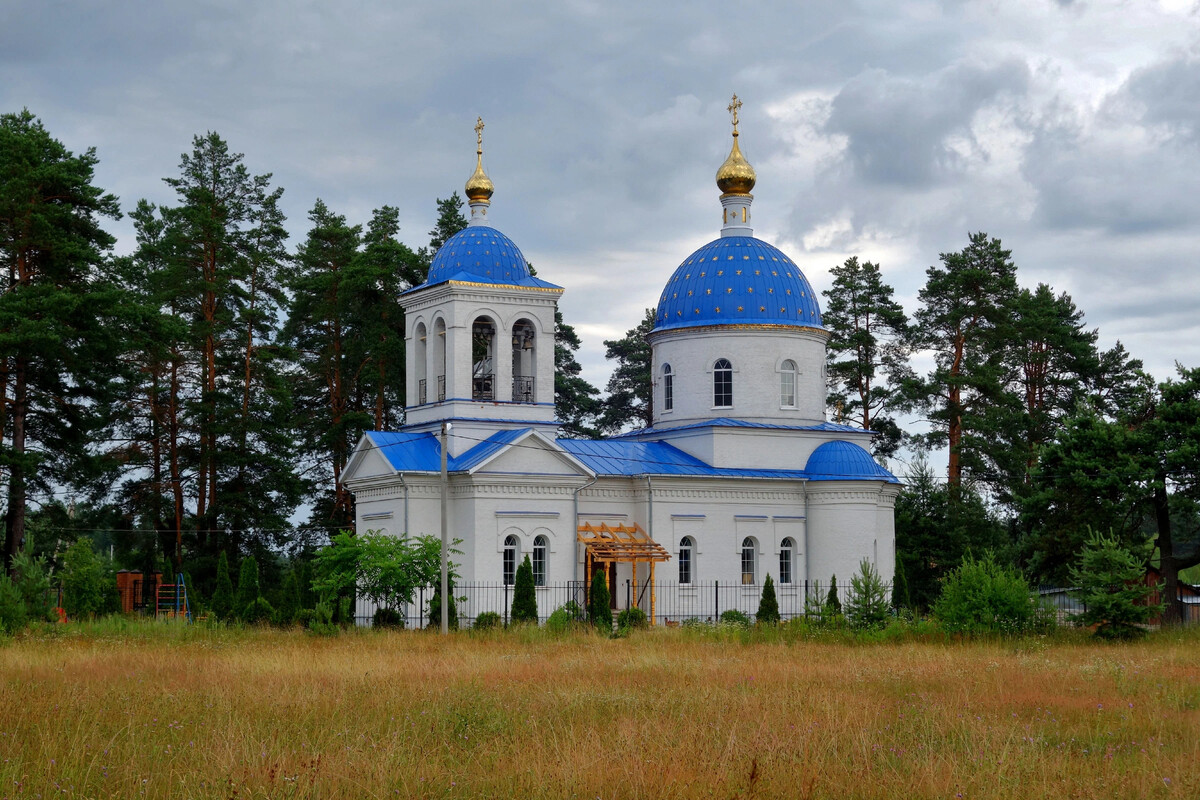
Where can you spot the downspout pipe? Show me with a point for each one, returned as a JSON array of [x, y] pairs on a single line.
[[575, 524], [404, 486]]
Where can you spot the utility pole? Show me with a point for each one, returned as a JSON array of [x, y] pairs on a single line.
[[445, 534]]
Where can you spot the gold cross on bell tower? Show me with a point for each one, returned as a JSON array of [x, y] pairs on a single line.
[[479, 135], [734, 105]]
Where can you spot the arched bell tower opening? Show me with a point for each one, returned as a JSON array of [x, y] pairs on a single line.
[[420, 362], [524, 362], [483, 359], [439, 357]]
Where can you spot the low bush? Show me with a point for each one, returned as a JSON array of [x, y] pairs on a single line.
[[734, 617], [980, 596], [487, 621], [320, 620], [566, 618], [258, 612], [387, 618], [632, 618]]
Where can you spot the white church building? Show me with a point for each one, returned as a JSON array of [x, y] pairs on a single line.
[[739, 476]]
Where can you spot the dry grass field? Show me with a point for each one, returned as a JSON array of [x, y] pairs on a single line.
[[159, 711]]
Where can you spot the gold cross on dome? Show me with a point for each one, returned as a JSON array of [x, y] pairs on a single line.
[[734, 105], [479, 134]]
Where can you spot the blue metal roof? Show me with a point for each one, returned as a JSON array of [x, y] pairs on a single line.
[[845, 461], [625, 457], [481, 254], [729, 422], [420, 452], [737, 280]]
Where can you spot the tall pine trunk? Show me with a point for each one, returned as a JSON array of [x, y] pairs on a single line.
[[14, 522]]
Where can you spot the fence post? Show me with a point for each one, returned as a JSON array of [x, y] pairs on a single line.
[[716, 601], [506, 605], [806, 599], [628, 593]]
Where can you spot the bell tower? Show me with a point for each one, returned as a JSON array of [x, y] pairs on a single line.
[[479, 333]]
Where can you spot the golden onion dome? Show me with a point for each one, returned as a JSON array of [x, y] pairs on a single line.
[[479, 187], [735, 176]]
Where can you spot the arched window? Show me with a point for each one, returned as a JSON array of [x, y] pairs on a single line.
[[787, 384], [686, 547], [722, 383], [668, 388], [540, 546], [510, 560], [748, 559], [786, 547], [420, 365], [524, 361]]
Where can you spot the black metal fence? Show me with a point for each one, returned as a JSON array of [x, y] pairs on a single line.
[[669, 603], [1069, 606]]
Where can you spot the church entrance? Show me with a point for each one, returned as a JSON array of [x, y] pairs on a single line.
[[606, 546]]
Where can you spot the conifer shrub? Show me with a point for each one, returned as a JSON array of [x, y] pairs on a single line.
[[980, 596], [387, 618], [320, 620], [31, 580], [13, 616], [222, 599], [435, 606], [768, 604], [867, 605], [1111, 586], [247, 591], [524, 604], [632, 619], [488, 620], [600, 603], [258, 612], [289, 600], [734, 617], [833, 606]]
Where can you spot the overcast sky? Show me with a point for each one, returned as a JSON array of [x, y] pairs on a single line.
[[886, 130]]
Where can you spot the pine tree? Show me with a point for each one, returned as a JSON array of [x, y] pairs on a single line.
[[248, 590], [768, 604], [224, 246], [1111, 584], [867, 351], [524, 604], [450, 221], [60, 315], [222, 599], [966, 319], [630, 400], [833, 605], [576, 402], [289, 604], [435, 606], [599, 602]]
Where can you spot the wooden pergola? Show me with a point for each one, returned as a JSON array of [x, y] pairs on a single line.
[[606, 546]]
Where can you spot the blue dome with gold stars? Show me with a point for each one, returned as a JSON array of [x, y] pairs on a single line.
[[479, 254], [737, 280]]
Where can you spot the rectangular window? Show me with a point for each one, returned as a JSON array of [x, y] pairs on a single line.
[[785, 565], [685, 565], [723, 388], [787, 389], [668, 392]]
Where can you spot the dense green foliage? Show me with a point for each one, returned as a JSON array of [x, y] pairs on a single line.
[[387, 618], [630, 401], [632, 619], [248, 590], [732, 616], [868, 350], [768, 604], [435, 607], [88, 585], [599, 609], [867, 604], [566, 618], [524, 603], [385, 569], [487, 620], [1110, 581], [981, 596], [222, 599]]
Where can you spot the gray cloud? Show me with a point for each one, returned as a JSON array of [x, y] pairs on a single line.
[[897, 128]]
